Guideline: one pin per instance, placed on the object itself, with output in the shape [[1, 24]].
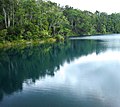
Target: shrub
[[44, 33], [59, 37], [3, 34]]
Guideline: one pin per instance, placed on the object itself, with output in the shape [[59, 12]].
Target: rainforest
[[31, 20]]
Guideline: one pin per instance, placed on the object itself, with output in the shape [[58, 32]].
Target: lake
[[81, 72]]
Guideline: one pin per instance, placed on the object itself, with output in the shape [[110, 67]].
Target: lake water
[[82, 72]]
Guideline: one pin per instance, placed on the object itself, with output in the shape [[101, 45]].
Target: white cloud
[[109, 6]]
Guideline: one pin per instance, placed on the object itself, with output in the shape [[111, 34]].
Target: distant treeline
[[37, 19]]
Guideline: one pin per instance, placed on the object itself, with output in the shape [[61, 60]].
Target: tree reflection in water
[[19, 64]]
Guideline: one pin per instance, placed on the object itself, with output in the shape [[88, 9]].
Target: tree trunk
[[5, 18], [13, 16], [8, 20], [53, 30]]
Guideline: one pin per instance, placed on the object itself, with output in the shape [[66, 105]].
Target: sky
[[108, 6]]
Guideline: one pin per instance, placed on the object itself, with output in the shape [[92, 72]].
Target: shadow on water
[[19, 64]]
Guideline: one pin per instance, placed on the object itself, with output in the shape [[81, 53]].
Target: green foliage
[[3, 34], [1, 18], [59, 37], [87, 23], [28, 35], [38, 19], [44, 33]]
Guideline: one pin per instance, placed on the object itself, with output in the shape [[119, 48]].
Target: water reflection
[[82, 81], [77, 73]]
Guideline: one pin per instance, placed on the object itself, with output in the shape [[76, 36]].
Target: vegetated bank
[[30, 21]]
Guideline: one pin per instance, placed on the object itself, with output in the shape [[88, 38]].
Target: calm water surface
[[82, 72]]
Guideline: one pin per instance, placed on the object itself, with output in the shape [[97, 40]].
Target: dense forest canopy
[[38, 19]]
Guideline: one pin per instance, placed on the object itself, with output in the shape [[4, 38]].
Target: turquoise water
[[82, 72]]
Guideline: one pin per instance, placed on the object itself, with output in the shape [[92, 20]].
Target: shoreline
[[16, 43]]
